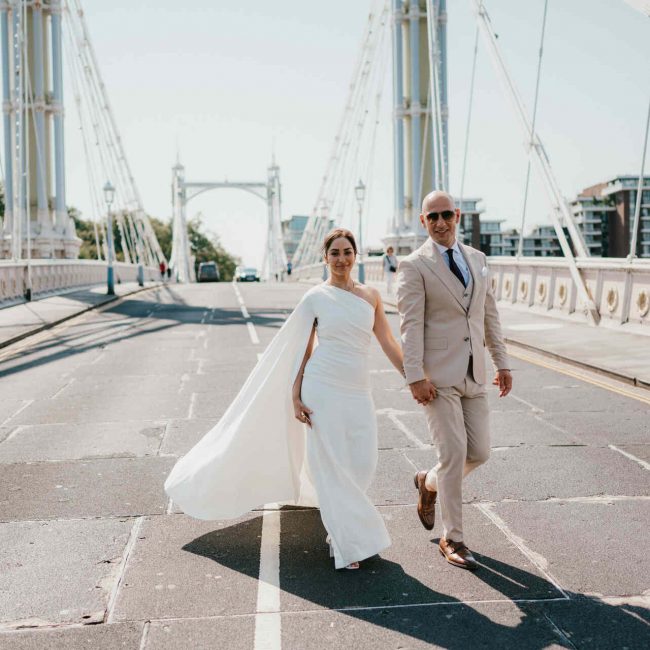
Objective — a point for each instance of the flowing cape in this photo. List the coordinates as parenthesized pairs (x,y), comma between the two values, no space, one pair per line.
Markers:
(256,453)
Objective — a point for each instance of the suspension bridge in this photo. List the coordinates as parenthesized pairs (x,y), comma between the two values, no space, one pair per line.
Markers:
(103,390)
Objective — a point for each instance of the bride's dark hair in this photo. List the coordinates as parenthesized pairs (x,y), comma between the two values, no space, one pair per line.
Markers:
(335,234)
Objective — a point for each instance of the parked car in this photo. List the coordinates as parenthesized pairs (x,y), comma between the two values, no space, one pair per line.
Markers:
(208,272)
(246,274)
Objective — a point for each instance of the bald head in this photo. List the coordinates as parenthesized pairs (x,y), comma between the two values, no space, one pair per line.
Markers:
(440,217)
(437,201)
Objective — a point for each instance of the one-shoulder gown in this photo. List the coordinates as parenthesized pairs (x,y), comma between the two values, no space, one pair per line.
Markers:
(259,453)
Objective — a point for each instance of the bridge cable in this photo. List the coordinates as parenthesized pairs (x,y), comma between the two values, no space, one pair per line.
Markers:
(469,121)
(520,245)
(639,192)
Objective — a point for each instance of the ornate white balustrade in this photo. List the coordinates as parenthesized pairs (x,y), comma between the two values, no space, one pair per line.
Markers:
(620,289)
(51,276)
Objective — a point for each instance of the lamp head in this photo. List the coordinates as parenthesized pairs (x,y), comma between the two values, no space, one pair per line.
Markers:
(360,191)
(109,193)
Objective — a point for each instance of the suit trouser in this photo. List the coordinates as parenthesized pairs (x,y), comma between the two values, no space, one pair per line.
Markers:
(458,419)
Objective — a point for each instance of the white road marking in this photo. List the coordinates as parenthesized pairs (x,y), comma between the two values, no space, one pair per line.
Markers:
(26,403)
(145,635)
(641,462)
(170,507)
(135,530)
(392,416)
(190,413)
(260,355)
(251,328)
(58,392)
(13,433)
(268,620)
(532,407)
(538,560)
(252,333)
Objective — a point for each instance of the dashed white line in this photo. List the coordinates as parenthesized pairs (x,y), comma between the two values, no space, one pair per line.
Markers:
(244,311)
(26,403)
(538,560)
(640,461)
(392,416)
(252,333)
(190,413)
(268,620)
(532,407)
(135,530)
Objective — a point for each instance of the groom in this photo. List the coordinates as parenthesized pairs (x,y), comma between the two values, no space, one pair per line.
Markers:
(448,318)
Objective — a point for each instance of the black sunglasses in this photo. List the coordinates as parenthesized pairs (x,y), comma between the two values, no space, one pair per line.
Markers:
(447,215)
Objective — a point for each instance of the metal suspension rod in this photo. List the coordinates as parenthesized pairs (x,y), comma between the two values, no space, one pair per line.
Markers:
(469,121)
(639,191)
(559,206)
(434,92)
(520,245)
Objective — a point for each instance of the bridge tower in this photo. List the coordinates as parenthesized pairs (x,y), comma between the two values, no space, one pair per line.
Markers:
(420,134)
(270,191)
(36,222)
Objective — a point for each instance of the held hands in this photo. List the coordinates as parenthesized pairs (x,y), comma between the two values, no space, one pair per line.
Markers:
(301,412)
(503,379)
(423,391)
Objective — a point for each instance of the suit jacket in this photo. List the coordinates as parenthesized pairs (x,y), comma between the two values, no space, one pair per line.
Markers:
(440,325)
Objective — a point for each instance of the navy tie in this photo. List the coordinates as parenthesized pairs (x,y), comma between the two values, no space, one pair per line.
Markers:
(453,267)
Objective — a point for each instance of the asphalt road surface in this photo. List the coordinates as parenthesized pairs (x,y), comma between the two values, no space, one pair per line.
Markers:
(94,413)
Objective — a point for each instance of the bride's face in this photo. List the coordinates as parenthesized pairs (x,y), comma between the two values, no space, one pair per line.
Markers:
(340,257)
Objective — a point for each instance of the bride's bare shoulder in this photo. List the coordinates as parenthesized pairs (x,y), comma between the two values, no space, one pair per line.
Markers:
(369,293)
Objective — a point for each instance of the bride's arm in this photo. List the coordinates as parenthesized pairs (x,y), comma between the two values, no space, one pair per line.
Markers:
(389,345)
(301,412)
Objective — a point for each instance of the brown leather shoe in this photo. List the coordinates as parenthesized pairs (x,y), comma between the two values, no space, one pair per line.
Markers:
(458,554)
(426,501)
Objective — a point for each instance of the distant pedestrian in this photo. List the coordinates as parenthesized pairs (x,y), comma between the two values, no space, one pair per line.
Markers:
(390,269)
(289,267)
(169,273)
(163,268)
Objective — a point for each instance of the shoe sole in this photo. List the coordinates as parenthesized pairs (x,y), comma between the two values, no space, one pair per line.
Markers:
(422,521)
(457,564)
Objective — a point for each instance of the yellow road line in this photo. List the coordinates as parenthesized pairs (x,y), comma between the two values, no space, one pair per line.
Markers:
(558,366)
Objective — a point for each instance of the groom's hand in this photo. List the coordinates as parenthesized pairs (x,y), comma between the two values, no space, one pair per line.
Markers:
(503,379)
(423,391)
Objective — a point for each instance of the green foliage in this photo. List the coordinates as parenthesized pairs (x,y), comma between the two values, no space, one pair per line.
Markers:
(86,232)
(163,232)
(208,248)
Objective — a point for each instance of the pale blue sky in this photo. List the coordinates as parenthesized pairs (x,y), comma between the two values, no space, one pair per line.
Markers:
(224,79)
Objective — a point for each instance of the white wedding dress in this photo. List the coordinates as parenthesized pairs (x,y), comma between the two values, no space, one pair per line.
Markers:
(259,453)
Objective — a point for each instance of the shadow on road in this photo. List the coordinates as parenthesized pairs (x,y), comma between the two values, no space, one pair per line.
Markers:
(145,318)
(381,593)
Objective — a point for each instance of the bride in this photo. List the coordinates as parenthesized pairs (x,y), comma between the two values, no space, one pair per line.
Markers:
(303,429)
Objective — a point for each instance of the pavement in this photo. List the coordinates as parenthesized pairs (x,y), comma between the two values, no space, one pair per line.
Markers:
(96,410)
(19,319)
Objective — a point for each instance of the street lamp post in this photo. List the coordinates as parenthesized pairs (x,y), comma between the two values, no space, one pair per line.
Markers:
(109,195)
(360,192)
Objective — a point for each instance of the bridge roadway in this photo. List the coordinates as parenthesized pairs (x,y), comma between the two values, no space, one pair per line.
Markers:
(95,411)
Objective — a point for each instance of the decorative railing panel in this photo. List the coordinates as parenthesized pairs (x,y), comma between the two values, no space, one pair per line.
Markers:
(620,289)
(51,276)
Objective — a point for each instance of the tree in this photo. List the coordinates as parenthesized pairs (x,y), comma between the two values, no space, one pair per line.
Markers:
(208,248)
(86,232)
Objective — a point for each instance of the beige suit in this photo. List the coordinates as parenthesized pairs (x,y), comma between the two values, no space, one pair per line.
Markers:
(445,330)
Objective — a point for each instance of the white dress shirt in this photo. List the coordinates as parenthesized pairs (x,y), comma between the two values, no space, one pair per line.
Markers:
(458,258)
